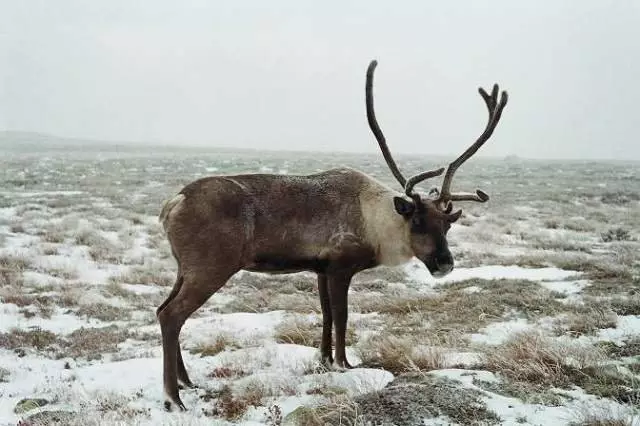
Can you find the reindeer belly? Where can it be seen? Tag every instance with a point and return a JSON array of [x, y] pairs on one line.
[[285, 264]]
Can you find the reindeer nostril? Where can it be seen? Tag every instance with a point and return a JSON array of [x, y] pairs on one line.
[[445, 259], [445, 262]]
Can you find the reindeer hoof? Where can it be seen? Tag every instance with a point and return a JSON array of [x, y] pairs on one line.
[[186, 385], [327, 361], [168, 404], [343, 364]]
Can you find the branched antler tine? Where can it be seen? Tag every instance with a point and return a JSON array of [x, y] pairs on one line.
[[495, 111], [480, 196], [414, 180], [375, 128]]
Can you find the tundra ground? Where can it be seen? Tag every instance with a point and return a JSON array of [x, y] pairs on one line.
[[538, 324]]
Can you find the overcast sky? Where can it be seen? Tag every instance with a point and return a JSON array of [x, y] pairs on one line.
[[290, 74]]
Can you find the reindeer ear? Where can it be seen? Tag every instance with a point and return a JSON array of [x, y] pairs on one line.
[[403, 207]]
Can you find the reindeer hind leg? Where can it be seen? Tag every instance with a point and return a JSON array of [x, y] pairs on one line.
[[196, 289]]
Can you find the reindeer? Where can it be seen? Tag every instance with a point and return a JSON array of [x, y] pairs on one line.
[[335, 223]]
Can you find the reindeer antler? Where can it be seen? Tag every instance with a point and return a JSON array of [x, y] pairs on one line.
[[409, 184], [495, 111]]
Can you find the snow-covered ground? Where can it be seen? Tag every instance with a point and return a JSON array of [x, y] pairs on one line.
[[84, 264]]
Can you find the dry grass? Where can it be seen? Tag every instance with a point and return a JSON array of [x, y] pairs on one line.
[[417, 330], [530, 393], [117, 290], [106, 252], [304, 332], [299, 332], [407, 400], [629, 348], [10, 277], [14, 263], [227, 373], [233, 406], [52, 235], [401, 354], [220, 343], [90, 237], [629, 305], [335, 410], [588, 319], [532, 357], [594, 415], [272, 299], [33, 338], [4, 375], [536, 359], [146, 274], [66, 273], [104, 312], [455, 311], [93, 343]]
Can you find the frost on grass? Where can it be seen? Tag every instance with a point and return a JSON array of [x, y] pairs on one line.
[[408, 400], [534, 359], [402, 354], [84, 264]]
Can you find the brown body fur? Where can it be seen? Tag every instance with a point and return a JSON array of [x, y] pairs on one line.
[[334, 223]]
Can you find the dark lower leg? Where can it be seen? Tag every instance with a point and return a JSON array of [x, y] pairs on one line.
[[170, 332], [327, 321], [183, 377], [339, 288]]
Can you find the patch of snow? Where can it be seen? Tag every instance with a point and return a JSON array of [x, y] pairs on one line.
[[628, 326], [468, 359], [498, 332], [360, 380], [565, 287], [144, 289], [7, 212], [59, 323], [237, 325], [418, 272], [437, 421], [39, 279]]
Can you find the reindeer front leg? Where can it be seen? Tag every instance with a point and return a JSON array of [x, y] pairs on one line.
[[327, 321], [338, 284]]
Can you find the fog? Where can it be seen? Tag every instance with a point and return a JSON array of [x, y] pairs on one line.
[[290, 74]]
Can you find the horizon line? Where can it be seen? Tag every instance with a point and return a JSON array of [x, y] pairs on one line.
[[203, 146]]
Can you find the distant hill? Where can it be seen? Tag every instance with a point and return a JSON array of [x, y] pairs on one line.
[[25, 141], [20, 141]]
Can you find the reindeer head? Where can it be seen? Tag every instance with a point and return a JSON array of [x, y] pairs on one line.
[[429, 217]]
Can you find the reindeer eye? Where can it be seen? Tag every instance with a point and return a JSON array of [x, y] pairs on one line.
[[418, 225], [449, 207]]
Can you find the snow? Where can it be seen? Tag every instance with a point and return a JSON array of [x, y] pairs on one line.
[[498, 332], [142, 377], [419, 273], [240, 325], [566, 287], [133, 374], [59, 323], [512, 410], [144, 289], [627, 326]]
